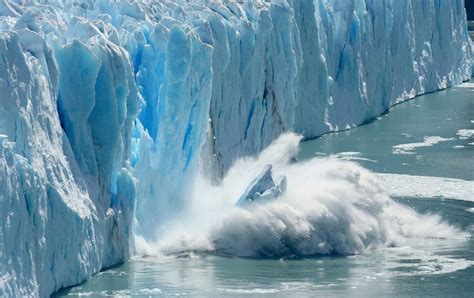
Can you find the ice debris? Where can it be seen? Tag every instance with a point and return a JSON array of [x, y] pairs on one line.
[[263, 188]]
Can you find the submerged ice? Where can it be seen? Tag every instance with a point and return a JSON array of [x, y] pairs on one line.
[[107, 105]]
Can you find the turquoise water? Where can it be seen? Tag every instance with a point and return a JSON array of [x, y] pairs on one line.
[[443, 114], [429, 136]]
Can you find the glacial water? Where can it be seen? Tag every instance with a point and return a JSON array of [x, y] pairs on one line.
[[424, 152]]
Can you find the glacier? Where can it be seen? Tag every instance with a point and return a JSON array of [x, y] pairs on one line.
[[108, 109]]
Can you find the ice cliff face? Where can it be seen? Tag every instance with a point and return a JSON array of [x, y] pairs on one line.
[[96, 95], [66, 192]]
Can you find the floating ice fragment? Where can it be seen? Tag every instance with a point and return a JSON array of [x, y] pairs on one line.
[[410, 148], [465, 134]]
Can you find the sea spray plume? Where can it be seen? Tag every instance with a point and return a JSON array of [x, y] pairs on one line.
[[330, 207]]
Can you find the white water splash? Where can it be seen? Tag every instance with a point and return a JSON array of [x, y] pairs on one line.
[[331, 206]]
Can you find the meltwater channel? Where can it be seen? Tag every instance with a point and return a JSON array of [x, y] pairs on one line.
[[423, 153]]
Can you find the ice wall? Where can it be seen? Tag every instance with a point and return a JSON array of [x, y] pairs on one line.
[[472, 58], [331, 65], [66, 192], [96, 95]]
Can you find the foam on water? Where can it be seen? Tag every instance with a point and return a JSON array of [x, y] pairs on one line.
[[411, 147], [465, 134], [468, 85], [249, 291], [409, 261], [351, 156], [120, 293], [331, 206], [282, 287], [427, 187]]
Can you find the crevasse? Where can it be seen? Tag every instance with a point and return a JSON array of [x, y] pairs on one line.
[[107, 105]]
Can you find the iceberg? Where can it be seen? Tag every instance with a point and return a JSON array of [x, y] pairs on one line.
[[263, 188], [109, 109]]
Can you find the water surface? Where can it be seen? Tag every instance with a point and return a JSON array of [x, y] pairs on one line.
[[442, 121]]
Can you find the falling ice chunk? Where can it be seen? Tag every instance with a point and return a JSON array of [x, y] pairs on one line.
[[263, 188]]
